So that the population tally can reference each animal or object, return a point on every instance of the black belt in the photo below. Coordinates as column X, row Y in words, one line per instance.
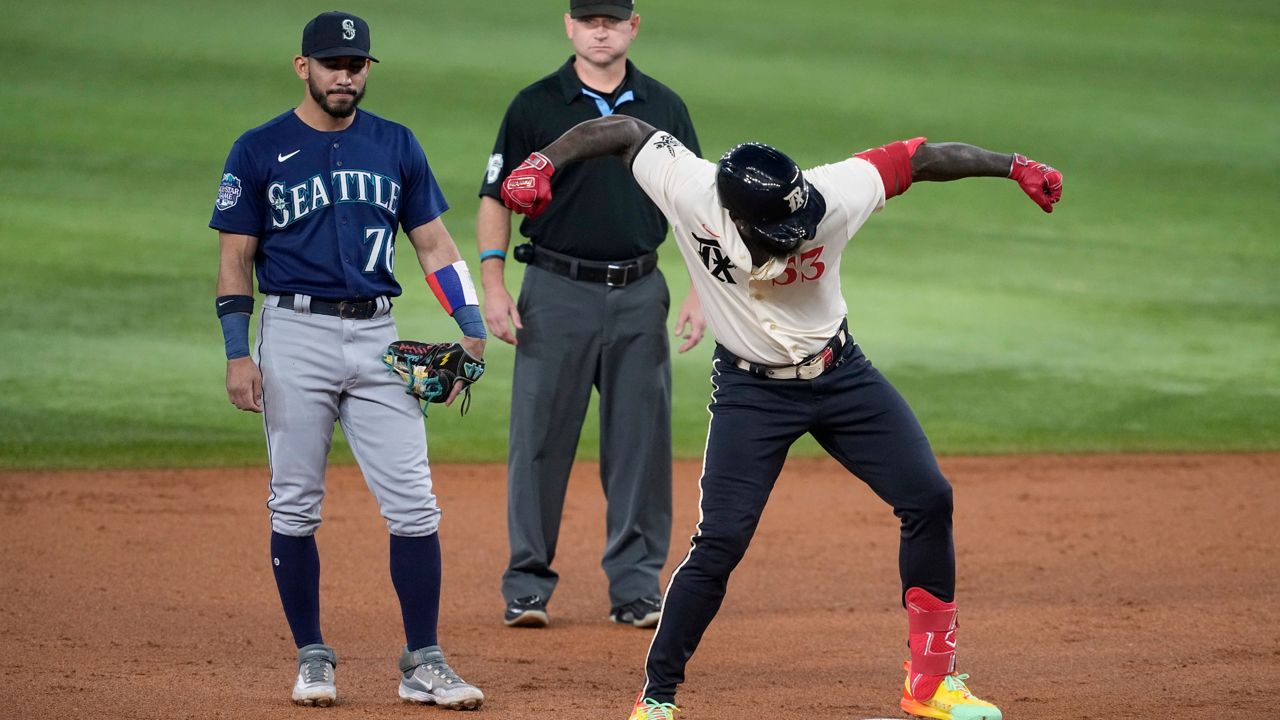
column 830, row 356
column 613, row 274
column 349, row 309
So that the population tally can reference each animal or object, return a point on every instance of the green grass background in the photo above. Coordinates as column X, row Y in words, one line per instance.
column 1141, row 316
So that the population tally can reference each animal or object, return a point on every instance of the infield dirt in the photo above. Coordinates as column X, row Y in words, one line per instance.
column 1136, row 586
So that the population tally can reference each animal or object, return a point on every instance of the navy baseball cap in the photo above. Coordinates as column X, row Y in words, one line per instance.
column 336, row 34
column 620, row 9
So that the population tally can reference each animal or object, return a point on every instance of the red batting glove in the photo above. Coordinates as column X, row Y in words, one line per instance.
column 527, row 190
column 1040, row 182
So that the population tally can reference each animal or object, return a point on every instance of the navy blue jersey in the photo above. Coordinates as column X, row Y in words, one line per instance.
column 325, row 206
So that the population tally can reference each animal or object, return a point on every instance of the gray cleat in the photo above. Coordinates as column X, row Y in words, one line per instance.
column 315, row 685
column 425, row 677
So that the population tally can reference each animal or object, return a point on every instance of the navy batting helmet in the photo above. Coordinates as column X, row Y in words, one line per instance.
column 772, row 204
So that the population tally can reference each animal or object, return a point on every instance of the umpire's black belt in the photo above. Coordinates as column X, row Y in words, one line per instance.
column 349, row 309
column 830, row 356
column 617, row 273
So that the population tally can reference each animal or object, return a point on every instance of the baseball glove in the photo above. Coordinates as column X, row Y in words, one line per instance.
column 429, row 370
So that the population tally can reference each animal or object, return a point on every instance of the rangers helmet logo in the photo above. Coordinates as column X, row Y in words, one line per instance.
column 228, row 192
column 348, row 29
column 796, row 198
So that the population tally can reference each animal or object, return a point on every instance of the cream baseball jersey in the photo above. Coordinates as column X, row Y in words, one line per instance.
column 786, row 310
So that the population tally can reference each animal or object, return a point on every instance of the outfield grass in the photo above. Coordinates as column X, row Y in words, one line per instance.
column 1142, row 315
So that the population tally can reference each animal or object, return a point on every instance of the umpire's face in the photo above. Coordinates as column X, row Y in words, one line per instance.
column 599, row 39
column 335, row 83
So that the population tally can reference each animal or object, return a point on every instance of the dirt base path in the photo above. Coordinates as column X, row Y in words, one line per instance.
column 1098, row 586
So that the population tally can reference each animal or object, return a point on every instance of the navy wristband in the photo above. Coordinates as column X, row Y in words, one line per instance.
column 470, row 321
column 235, row 334
column 227, row 304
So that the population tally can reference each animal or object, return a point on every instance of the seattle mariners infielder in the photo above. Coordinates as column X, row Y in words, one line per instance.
column 763, row 243
column 312, row 200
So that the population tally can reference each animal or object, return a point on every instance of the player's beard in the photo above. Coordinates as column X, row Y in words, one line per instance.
column 344, row 110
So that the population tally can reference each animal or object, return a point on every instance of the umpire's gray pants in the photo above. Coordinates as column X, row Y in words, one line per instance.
column 578, row 335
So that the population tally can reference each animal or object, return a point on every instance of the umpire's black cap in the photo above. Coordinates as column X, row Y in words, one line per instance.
column 620, row 9
column 773, row 205
column 336, row 34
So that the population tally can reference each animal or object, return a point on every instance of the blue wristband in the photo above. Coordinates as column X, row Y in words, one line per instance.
column 470, row 321
column 235, row 334
column 490, row 254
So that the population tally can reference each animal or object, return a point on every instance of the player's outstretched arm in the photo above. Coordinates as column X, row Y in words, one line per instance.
column 614, row 135
column 941, row 162
column 527, row 190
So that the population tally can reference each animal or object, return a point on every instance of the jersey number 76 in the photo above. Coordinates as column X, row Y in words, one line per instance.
column 382, row 244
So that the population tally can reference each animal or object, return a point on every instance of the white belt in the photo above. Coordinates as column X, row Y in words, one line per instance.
column 807, row 370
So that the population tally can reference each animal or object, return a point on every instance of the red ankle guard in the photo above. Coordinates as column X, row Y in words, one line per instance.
column 932, row 624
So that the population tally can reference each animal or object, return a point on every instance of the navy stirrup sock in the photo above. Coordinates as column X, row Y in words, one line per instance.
column 415, row 572
column 296, row 565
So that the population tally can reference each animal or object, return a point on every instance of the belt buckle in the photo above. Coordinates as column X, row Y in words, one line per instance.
column 610, row 274
column 811, row 369
column 348, row 310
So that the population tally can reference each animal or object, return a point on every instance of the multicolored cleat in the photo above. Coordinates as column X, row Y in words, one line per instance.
column 950, row 701
column 650, row 709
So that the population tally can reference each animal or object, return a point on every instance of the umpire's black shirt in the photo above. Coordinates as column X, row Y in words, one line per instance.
column 597, row 211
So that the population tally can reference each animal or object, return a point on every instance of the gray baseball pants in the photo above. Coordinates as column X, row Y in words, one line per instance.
column 318, row 369
column 579, row 335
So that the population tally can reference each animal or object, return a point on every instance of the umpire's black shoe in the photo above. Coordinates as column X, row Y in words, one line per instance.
column 528, row 611
column 642, row 613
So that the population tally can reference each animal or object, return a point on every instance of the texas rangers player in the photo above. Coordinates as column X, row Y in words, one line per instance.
column 312, row 200
column 763, row 242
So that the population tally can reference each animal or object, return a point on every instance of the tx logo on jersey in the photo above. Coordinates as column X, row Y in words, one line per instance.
column 715, row 260
column 291, row 204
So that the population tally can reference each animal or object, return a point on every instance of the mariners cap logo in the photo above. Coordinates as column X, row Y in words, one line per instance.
column 336, row 34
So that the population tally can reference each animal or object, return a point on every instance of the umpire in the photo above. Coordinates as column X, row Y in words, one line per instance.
column 592, row 312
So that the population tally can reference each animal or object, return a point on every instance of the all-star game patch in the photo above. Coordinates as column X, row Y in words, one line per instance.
column 228, row 192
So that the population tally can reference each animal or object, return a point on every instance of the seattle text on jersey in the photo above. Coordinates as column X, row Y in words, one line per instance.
column 290, row 204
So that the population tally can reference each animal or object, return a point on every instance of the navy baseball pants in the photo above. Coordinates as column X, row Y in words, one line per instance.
column 862, row 421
